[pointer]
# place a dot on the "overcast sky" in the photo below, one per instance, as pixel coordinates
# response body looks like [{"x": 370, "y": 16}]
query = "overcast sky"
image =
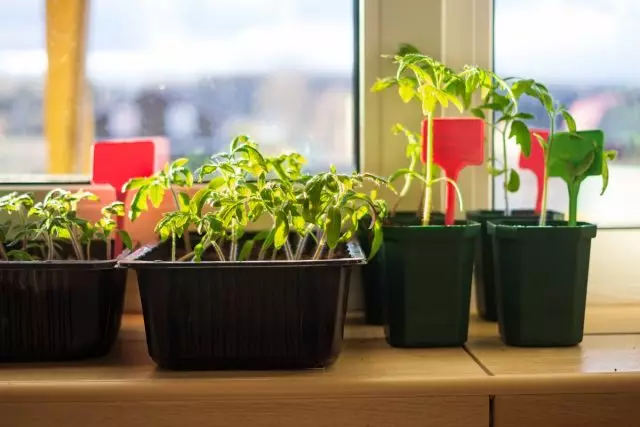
[
  {"x": 568, "y": 41},
  {"x": 557, "y": 41}
]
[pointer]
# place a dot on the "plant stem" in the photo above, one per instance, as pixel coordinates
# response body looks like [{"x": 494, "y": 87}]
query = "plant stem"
[
  {"x": 233, "y": 247},
  {"x": 218, "y": 250},
  {"x": 185, "y": 234},
  {"x": 318, "y": 253},
  {"x": 74, "y": 243},
  {"x": 3, "y": 252},
  {"x": 288, "y": 251},
  {"x": 109, "y": 254},
  {"x": 89, "y": 251},
  {"x": 405, "y": 189},
  {"x": 331, "y": 252},
  {"x": 545, "y": 178},
  {"x": 262, "y": 253},
  {"x": 507, "y": 211},
  {"x": 301, "y": 244},
  {"x": 50, "y": 247},
  {"x": 574, "y": 187},
  {"x": 426, "y": 208},
  {"x": 173, "y": 246},
  {"x": 274, "y": 254},
  {"x": 421, "y": 203},
  {"x": 187, "y": 239}
]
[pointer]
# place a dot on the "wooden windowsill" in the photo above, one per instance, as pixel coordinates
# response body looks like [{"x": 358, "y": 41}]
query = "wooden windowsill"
[{"x": 606, "y": 363}]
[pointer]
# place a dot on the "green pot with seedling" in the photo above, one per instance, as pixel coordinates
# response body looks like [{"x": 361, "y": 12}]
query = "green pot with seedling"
[
  {"x": 541, "y": 265},
  {"x": 236, "y": 298},
  {"x": 61, "y": 291},
  {"x": 428, "y": 266},
  {"x": 373, "y": 272},
  {"x": 508, "y": 123}
]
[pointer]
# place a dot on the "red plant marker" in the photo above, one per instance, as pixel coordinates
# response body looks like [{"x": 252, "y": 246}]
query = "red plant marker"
[
  {"x": 535, "y": 163},
  {"x": 457, "y": 142},
  {"x": 114, "y": 162}
]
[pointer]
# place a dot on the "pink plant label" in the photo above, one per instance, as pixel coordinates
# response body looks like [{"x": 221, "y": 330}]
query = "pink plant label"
[
  {"x": 535, "y": 163},
  {"x": 114, "y": 162},
  {"x": 458, "y": 142}
]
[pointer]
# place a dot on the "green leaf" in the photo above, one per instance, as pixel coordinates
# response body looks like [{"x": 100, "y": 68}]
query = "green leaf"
[
  {"x": 126, "y": 239},
  {"x": 332, "y": 226},
  {"x": 189, "y": 178},
  {"x": 179, "y": 163},
  {"x": 376, "y": 243},
  {"x": 541, "y": 141},
  {"x": 134, "y": 184},
  {"x": 576, "y": 155},
  {"x": 19, "y": 255},
  {"x": 406, "y": 48},
  {"x": 429, "y": 99},
  {"x": 477, "y": 112},
  {"x": 520, "y": 87},
  {"x": 198, "y": 250},
  {"x": 184, "y": 202},
  {"x": 298, "y": 223},
  {"x": 524, "y": 116},
  {"x": 513, "y": 184},
  {"x": 585, "y": 164},
  {"x": 382, "y": 84},
  {"x": 239, "y": 140},
  {"x": 198, "y": 201},
  {"x": 114, "y": 208},
  {"x": 406, "y": 91},
  {"x": 608, "y": 155},
  {"x": 455, "y": 101},
  {"x": 569, "y": 120},
  {"x": 246, "y": 250},
  {"x": 493, "y": 171},
  {"x": 520, "y": 131},
  {"x": 138, "y": 204},
  {"x": 156, "y": 194},
  {"x": 281, "y": 230}
]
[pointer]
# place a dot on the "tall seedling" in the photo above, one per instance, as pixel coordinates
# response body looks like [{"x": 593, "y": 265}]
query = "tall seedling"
[
  {"x": 571, "y": 155},
  {"x": 509, "y": 123},
  {"x": 435, "y": 85}
]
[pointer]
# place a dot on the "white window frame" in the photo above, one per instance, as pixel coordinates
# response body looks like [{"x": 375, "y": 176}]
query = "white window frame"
[{"x": 462, "y": 34}]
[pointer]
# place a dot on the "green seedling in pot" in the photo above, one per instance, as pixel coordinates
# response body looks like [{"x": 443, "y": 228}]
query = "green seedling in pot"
[
  {"x": 509, "y": 123},
  {"x": 412, "y": 153},
  {"x": 576, "y": 156},
  {"x": 153, "y": 189},
  {"x": 243, "y": 185},
  {"x": 579, "y": 154},
  {"x": 435, "y": 85},
  {"x": 37, "y": 228}
]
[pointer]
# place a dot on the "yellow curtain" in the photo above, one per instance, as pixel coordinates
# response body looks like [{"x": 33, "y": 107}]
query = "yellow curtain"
[{"x": 68, "y": 115}]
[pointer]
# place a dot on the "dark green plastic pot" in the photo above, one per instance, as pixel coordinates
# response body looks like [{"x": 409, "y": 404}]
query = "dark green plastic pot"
[
  {"x": 541, "y": 276},
  {"x": 427, "y": 283},
  {"x": 373, "y": 271},
  {"x": 483, "y": 271}
]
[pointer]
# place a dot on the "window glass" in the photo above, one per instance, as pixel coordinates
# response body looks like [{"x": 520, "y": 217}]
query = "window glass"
[
  {"x": 203, "y": 71},
  {"x": 22, "y": 66},
  {"x": 197, "y": 71},
  {"x": 584, "y": 51}
]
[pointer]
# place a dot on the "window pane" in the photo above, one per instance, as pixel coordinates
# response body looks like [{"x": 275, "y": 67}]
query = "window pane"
[
  {"x": 203, "y": 71},
  {"x": 584, "y": 51},
  {"x": 23, "y": 63}
]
